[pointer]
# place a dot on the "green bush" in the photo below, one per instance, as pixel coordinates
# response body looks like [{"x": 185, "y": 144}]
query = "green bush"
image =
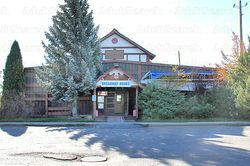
[
  {"x": 14, "y": 105},
  {"x": 197, "y": 108},
  {"x": 160, "y": 103},
  {"x": 223, "y": 100}
]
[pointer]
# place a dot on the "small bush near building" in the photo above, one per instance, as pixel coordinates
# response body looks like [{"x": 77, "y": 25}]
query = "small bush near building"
[
  {"x": 160, "y": 103},
  {"x": 223, "y": 101},
  {"x": 15, "y": 106},
  {"x": 197, "y": 108}
]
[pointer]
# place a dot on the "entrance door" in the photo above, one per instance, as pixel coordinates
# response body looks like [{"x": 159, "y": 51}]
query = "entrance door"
[
  {"x": 110, "y": 103},
  {"x": 119, "y": 103},
  {"x": 114, "y": 103}
]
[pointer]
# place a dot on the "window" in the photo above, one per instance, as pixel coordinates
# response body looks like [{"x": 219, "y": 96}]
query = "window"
[
  {"x": 143, "y": 58},
  {"x": 133, "y": 58},
  {"x": 119, "y": 98}
]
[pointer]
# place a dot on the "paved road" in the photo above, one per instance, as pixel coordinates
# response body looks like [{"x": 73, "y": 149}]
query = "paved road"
[{"x": 128, "y": 145}]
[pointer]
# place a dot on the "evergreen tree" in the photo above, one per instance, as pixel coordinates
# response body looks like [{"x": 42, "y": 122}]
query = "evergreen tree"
[
  {"x": 239, "y": 80},
  {"x": 72, "y": 53},
  {"x": 13, "y": 78},
  {"x": 1, "y": 85},
  {"x": 13, "y": 103},
  {"x": 237, "y": 73},
  {"x": 1, "y": 88}
]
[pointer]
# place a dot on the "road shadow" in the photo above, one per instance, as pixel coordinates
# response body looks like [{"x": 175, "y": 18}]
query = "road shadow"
[
  {"x": 15, "y": 131},
  {"x": 192, "y": 145}
]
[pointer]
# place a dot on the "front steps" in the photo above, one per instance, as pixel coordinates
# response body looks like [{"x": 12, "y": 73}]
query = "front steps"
[{"x": 115, "y": 119}]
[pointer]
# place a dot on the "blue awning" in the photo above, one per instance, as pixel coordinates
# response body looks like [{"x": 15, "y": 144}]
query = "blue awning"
[
  {"x": 157, "y": 74},
  {"x": 154, "y": 74},
  {"x": 201, "y": 72}
]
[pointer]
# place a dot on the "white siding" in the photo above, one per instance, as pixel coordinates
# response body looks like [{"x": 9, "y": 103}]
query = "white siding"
[
  {"x": 121, "y": 42},
  {"x": 133, "y": 50},
  {"x": 126, "y": 46},
  {"x": 126, "y": 50}
]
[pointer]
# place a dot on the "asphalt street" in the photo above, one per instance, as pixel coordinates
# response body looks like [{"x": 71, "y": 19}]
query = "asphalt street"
[{"x": 127, "y": 144}]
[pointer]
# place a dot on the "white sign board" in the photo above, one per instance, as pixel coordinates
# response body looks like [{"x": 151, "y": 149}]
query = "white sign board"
[
  {"x": 112, "y": 83},
  {"x": 100, "y": 105},
  {"x": 100, "y": 99},
  {"x": 93, "y": 97}
]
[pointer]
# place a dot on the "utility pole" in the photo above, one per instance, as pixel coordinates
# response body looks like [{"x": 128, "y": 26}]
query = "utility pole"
[
  {"x": 240, "y": 6},
  {"x": 179, "y": 57}
]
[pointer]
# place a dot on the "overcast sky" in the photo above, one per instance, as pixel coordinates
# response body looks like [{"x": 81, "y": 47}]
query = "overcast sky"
[{"x": 198, "y": 28}]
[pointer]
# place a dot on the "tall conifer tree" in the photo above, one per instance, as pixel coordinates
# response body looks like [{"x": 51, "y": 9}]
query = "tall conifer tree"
[
  {"x": 239, "y": 80},
  {"x": 13, "y": 76},
  {"x": 1, "y": 85},
  {"x": 1, "y": 89},
  {"x": 72, "y": 53}
]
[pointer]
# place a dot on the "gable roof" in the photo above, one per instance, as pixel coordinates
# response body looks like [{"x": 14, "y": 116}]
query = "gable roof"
[
  {"x": 114, "y": 31},
  {"x": 117, "y": 68}
]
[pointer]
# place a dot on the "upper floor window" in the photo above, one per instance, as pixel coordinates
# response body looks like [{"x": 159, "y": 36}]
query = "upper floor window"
[
  {"x": 134, "y": 58},
  {"x": 143, "y": 58}
]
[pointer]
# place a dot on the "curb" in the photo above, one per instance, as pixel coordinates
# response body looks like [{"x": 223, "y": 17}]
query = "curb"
[
  {"x": 145, "y": 124},
  {"x": 238, "y": 123},
  {"x": 64, "y": 124},
  {"x": 55, "y": 124}
]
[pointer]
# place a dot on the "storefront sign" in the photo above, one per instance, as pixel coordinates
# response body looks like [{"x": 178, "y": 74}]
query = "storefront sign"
[
  {"x": 115, "y": 83},
  {"x": 103, "y": 93}
]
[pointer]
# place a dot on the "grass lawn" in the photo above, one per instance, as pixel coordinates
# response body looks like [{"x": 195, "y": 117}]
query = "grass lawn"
[
  {"x": 51, "y": 119},
  {"x": 193, "y": 120}
]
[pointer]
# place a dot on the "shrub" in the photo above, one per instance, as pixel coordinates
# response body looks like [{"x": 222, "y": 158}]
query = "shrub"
[
  {"x": 197, "y": 108},
  {"x": 15, "y": 106},
  {"x": 223, "y": 100},
  {"x": 160, "y": 103}
]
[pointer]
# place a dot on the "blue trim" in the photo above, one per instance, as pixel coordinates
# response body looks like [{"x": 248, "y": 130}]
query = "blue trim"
[{"x": 155, "y": 74}]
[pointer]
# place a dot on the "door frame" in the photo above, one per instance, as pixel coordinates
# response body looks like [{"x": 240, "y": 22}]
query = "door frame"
[{"x": 125, "y": 107}]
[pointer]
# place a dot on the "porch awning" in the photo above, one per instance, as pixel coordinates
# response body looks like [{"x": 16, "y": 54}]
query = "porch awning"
[{"x": 155, "y": 74}]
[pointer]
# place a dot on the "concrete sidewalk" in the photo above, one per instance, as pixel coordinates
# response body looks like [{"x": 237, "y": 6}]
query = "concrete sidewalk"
[{"x": 241, "y": 123}]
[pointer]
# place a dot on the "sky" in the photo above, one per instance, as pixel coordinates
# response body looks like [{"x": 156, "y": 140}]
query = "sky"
[{"x": 200, "y": 29}]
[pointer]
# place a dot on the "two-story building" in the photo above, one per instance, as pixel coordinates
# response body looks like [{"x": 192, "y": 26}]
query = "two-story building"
[{"x": 127, "y": 68}]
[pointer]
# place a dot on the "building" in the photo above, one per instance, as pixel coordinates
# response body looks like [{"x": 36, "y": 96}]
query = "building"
[{"x": 127, "y": 68}]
